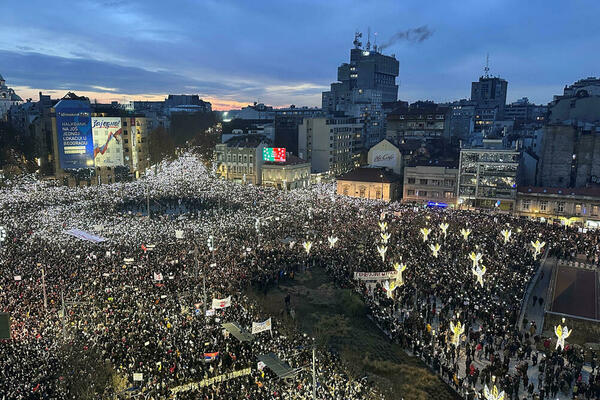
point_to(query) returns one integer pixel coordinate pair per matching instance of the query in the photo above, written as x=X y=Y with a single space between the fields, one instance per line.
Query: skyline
x=233 y=54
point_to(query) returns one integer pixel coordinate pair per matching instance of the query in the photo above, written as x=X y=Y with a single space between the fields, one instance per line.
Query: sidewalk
x=535 y=312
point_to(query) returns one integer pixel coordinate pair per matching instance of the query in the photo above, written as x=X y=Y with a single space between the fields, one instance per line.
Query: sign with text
x=384 y=158
x=375 y=276
x=108 y=141
x=74 y=134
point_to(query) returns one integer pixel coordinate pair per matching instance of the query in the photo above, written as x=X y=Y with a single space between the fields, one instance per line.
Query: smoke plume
x=414 y=35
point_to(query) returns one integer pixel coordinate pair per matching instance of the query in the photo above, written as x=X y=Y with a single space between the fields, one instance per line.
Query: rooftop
x=246 y=141
x=290 y=159
x=589 y=191
x=370 y=175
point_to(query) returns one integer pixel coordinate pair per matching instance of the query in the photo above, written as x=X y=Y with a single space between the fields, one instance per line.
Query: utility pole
x=44 y=288
x=314 y=374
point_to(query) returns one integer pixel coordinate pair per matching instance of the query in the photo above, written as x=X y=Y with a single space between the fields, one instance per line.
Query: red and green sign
x=274 y=154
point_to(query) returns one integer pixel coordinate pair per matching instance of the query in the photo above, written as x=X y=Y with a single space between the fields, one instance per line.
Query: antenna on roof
x=357 y=43
x=375 y=44
x=368 y=39
x=486 y=70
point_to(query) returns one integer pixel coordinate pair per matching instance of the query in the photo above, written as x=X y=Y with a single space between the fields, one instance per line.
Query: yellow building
x=370 y=183
x=292 y=174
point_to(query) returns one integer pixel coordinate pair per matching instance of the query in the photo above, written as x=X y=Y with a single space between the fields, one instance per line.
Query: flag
x=144 y=248
x=208 y=357
x=158 y=276
x=221 y=303
x=258 y=327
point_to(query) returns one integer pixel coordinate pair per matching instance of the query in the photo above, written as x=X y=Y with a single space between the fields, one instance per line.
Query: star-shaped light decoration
x=382 y=250
x=332 y=241
x=506 y=234
x=479 y=271
x=561 y=332
x=435 y=248
x=385 y=237
x=307 y=246
x=444 y=227
x=493 y=394
x=425 y=232
x=537 y=246
x=465 y=233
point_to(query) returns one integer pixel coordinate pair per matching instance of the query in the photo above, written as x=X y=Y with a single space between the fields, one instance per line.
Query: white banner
x=375 y=276
x=158 y=276
x=384 y=158
x=108 y=141
x=258 y=327
x=178 y=234
x=221 y=303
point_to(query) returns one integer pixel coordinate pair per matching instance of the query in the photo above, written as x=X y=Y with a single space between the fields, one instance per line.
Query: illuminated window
x=560 y=207
x=577 y=208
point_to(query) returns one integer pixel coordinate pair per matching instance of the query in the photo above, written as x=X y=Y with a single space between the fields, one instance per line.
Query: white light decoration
x=332 y=241
x=561 y=332
x=385 y=237
x=444 y=227
x=211 y=243
x=383 y=226
x=506 y=234
x=425 y=232
x=493 y=394
x=382 y=250
x=456 y=330
x=389 y=287
x=475 y=258
x=400 y=268
x=465 y=233
x=435 y=248
x=479 y=271
x=537 y=245
x=2 y=234
x=307 y=246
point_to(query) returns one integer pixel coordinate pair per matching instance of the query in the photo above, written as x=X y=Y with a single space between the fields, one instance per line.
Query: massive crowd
x=118 y=320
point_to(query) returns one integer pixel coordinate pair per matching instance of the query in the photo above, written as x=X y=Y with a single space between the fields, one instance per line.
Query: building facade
x=570 y=148
x=370 y=183
x=490 y=93
x=488 y=176
x=294 y=173
x=240 y=159
x=421 y=120
x=431 y=184
x=8 y=98
x=363 y=85
x=286 y=125
x=566 y=206
x=330 y=144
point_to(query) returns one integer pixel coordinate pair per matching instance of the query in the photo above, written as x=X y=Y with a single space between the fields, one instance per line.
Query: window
x=577 y=208
x=422 y=181
x=435 y=194
x=362 y=191
x=560 y=207
x=411 y=180
x=594 y=210
x=378 y=194
x=422 y=193
x=526 y=204
x=411 y=193
x=543 y=205
x=448 y=195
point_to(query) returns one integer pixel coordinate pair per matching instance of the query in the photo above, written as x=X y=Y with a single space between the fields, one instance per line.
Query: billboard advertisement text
x=74 y=134
x=108 y=141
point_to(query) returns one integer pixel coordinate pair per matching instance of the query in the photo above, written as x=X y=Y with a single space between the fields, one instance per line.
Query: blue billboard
x=74 y=134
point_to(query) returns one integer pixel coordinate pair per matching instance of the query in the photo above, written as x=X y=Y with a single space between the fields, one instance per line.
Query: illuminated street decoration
x=456 y=330
x=475 y=258
x=332 y=241
x=435 y=248
x=425 y=232
x=382 y=250
x=561 y=332
x=493 y=394
x=383 y=226
x=389 y=287
x=479 y=271
x=307 y=246
x=506 y=234
x=444 y=227
x=385 y=237
x=400 y=268
x=537 y=247
x=465 y=233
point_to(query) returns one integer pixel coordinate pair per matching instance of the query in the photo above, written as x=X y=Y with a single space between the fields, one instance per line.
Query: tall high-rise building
x=367 y=81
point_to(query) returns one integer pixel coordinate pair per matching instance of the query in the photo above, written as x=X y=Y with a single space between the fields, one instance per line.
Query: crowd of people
x=87 y=316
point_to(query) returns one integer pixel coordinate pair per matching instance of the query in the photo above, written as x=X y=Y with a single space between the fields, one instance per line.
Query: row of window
x=430 y=194
x=581 y=209
x=240 y=170
x=432 y=182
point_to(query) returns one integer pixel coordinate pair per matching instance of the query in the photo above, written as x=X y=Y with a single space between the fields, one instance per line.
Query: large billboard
x=134 y=155
x=74 y=134
x=385 y=158
x=274 y=154
x=108 y=141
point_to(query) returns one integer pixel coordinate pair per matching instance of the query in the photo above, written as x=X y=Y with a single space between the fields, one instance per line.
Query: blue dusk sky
x=287 y=52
